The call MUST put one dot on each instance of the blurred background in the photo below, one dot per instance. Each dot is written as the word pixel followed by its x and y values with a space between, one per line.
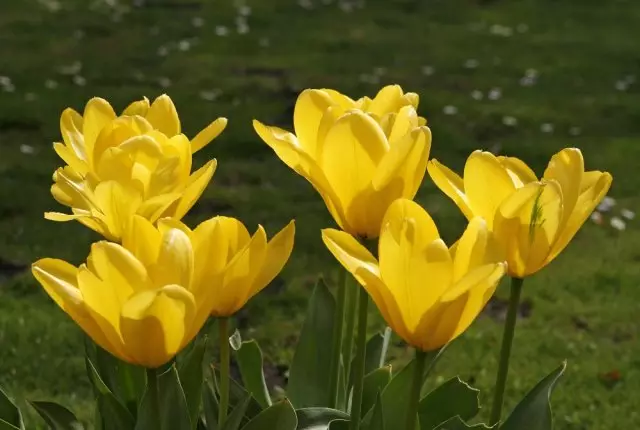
pixel 524 78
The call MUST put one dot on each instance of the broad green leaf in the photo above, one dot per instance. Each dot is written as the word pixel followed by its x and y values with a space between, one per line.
pixel 373 385
pixel 280 416
pixel 234 419
pixel 372 358
pixel 10 416
pixel 534 411
pixel 57 416
pixel 456 423
pixel 453 398
pixel 318 418
pixel 249 358
pixel 191 372
pixel 377 418
pixel 309 376
pixel 210 403
pixel 174 412
pixel 115 415
pixel 237 394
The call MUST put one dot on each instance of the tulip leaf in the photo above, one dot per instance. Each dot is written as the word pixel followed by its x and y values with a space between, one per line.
pixel 174 412
pixel 453 398
pixel 237 394
pixel 377 417
pixel 375 353
pixel 457 423
pixel 57 416
pixel 191 372
pixel 249 358
pixel 534 411
pixel 234 420
pixel 10 416
pixel 372 385
pixel 338 425
pixel 114 415
pixel 210 405
pixel 395 393
pixel 318 418
pixel 279 416
pixel 309 375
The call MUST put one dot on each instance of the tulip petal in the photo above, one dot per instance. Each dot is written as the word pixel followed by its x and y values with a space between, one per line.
pixel 405 120
pixel 175 260
pixel 363 266
pixel 69 156
pixel 278 252
pixel 71 130
pixel 451 184
pixel 340 99
pixel 97 114
pixel 486 184
pixel 154 324
pixel 585 205
pixel 158 206
pixel 475 248
pixel 139 107
pixel 403 211
pixel 208 134
pixel 392 162
pixel 520 173
pixel 388 99
pixel 196 185
pixel 307 114
pixel 567 167
pixel 211 253
pixel 142 239
pixel 236 234
pixel 163 116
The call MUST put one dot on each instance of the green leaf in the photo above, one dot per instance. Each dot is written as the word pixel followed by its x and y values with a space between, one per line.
pixel 234 420
pixel 280 416
pixel 10 416
pixel 456 423
pixel 249 358
pixel 338 425
pixel 210 405
pixel 372 358
pixel 318 418
pixel 191 372
pixel 115 416
pixel 453 398
pixel 395 393
pixel 309 376
pixel 174 412
pixel 373 385
pixel 534 411
pixel 56 416
pixel 377 419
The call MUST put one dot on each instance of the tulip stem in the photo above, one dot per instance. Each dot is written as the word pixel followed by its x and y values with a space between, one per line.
pixel 361 344
pixel 416 386
pixel 154 392
pixel 337 339
pixel 350 315
pixel 223 330
pixel 505 351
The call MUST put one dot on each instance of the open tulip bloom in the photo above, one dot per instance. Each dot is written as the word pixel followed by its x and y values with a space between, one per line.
pixel 145 300
pixel 532 219
pixel 136 163
pixel 359 155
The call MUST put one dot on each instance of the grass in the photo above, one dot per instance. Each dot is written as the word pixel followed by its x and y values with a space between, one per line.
pixel 583 307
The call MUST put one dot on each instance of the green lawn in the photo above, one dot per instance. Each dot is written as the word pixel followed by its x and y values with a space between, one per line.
pixel 578 60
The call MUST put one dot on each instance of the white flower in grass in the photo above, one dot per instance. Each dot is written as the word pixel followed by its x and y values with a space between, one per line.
pixel 618 223
pixel 450 110
pixel 628 214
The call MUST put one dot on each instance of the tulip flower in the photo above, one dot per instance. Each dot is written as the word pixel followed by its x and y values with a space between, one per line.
pixel 137 163
pixel 145 300
pixel 427 293
pixel 359 155
pixel 533 219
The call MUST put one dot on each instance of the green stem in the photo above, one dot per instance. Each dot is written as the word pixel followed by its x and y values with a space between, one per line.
pixel 337 339
pixel 505 351
pixel 416 386
pixel 350 315
pixel 154 392
pixel 361 344
pixel 223 327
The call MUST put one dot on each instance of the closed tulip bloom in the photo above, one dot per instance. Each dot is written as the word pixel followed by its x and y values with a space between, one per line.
pixel 145 300
pixel 121 166
pixel 533 219
pixel 358 160
pixel 427 293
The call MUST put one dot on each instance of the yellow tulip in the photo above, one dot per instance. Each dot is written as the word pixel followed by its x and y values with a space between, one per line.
pixel 145 300
pixel 533 219
pixel 137 163
pixel 358 160
pixel 427 293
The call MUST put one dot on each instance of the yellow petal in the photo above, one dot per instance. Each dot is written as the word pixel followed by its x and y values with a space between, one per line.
pixel 475 248
pixel 163 116
pixel 567 167
pixel 175 260
pixel 388 99
pixel 364 268
pixel 236 234
pixel 154 324
pixel 587 201
pixel 486 184
pixel 403 212
pixel 413 99
pixel 118 204
pixel 71 130
pixel 307 114
pixel 207 134
pixel 158 206
pixel 278 251
pixel 340 99
pixel 198 181
pixel 139 107
pixel 142 239
pixel 97 114
pixel 211 253
pixel 240 274
pixel 451 184
pixel 520 173
pixel 527 224
pixel 70 157
pixel 405 121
